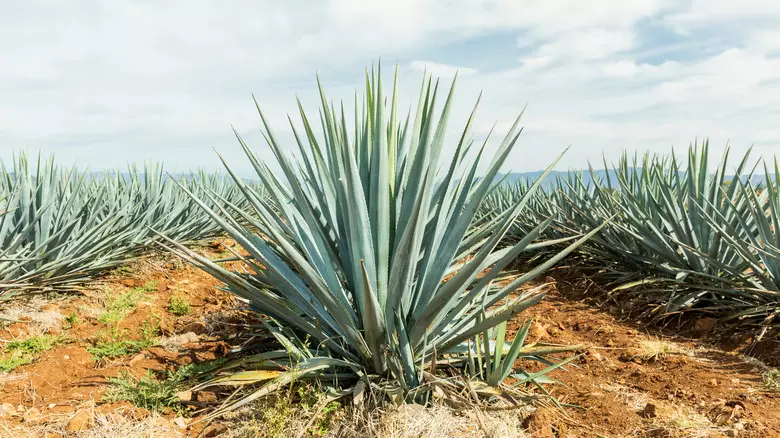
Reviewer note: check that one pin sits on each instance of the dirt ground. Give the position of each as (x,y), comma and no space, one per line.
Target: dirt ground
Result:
(630,381)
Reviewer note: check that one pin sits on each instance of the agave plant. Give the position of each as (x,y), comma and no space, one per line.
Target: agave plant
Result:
(683,238)
(367,251)
(59,226)
(755,238)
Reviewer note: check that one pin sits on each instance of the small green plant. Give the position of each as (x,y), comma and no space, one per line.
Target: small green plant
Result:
(9,363)
(772,379)
(23,352)
(150,392)
(71,320)
(122,304)
(178,306)
(124,269)
(117,344)
(35,344)
(149,286)
(117,348)
(278,416)
(147,392)
(224,254)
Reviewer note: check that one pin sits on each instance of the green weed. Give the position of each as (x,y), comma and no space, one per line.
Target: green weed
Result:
(71,320)
(152,393)
(35,344)
(122,304)
(146,392)
(9,363)
(772,379)
(116,343)
(23,352)
(178,306)
(149,286)
(279,415)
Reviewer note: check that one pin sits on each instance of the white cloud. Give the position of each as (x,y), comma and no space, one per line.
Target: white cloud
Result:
(441,70)
(105,83)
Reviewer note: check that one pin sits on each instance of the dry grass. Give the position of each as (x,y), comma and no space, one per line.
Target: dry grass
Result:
(669,419)
(280,418)
(626,396)
(435,421)
(120,423)
(35,311)
(656,349)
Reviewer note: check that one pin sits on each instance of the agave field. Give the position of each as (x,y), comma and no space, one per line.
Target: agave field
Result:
(680,238)
(376,266)
(60,227)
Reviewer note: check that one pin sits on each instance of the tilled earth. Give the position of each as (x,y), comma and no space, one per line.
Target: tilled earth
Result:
(628,382)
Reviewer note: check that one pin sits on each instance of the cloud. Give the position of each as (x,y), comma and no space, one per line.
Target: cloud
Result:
(105,83)
(441,70)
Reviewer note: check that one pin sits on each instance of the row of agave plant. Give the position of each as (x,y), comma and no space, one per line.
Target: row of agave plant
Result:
(366,262)
(59,226)
(682,236)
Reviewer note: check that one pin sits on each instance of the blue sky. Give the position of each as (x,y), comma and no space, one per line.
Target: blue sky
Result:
(107,83)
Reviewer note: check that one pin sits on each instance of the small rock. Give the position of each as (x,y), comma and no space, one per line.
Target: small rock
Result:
(184,395)
(542,424)
(214,430)
(166,327)
(714,382)
(648,411)
(66,357)
(129,282)
(538,331)
(206,396)
(195,327)
(704,325)
(189,338)
(82,421)
(162,353)
(179,421)
(52,405)
(137,358)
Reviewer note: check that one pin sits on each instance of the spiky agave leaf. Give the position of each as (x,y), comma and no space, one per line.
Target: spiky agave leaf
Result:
(368,247)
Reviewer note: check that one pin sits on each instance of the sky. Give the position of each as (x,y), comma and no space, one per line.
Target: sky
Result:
(106,83)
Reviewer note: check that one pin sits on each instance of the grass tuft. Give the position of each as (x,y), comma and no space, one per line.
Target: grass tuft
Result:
(146,392)
(152,393)
(772,379)
(35,344)
(23,352)
(71,320)
(179,306)
(122,304)
(9,363)
(289,412)
(116,343)
(653,350)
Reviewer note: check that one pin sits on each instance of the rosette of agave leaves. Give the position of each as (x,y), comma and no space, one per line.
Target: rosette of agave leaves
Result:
(365,260)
